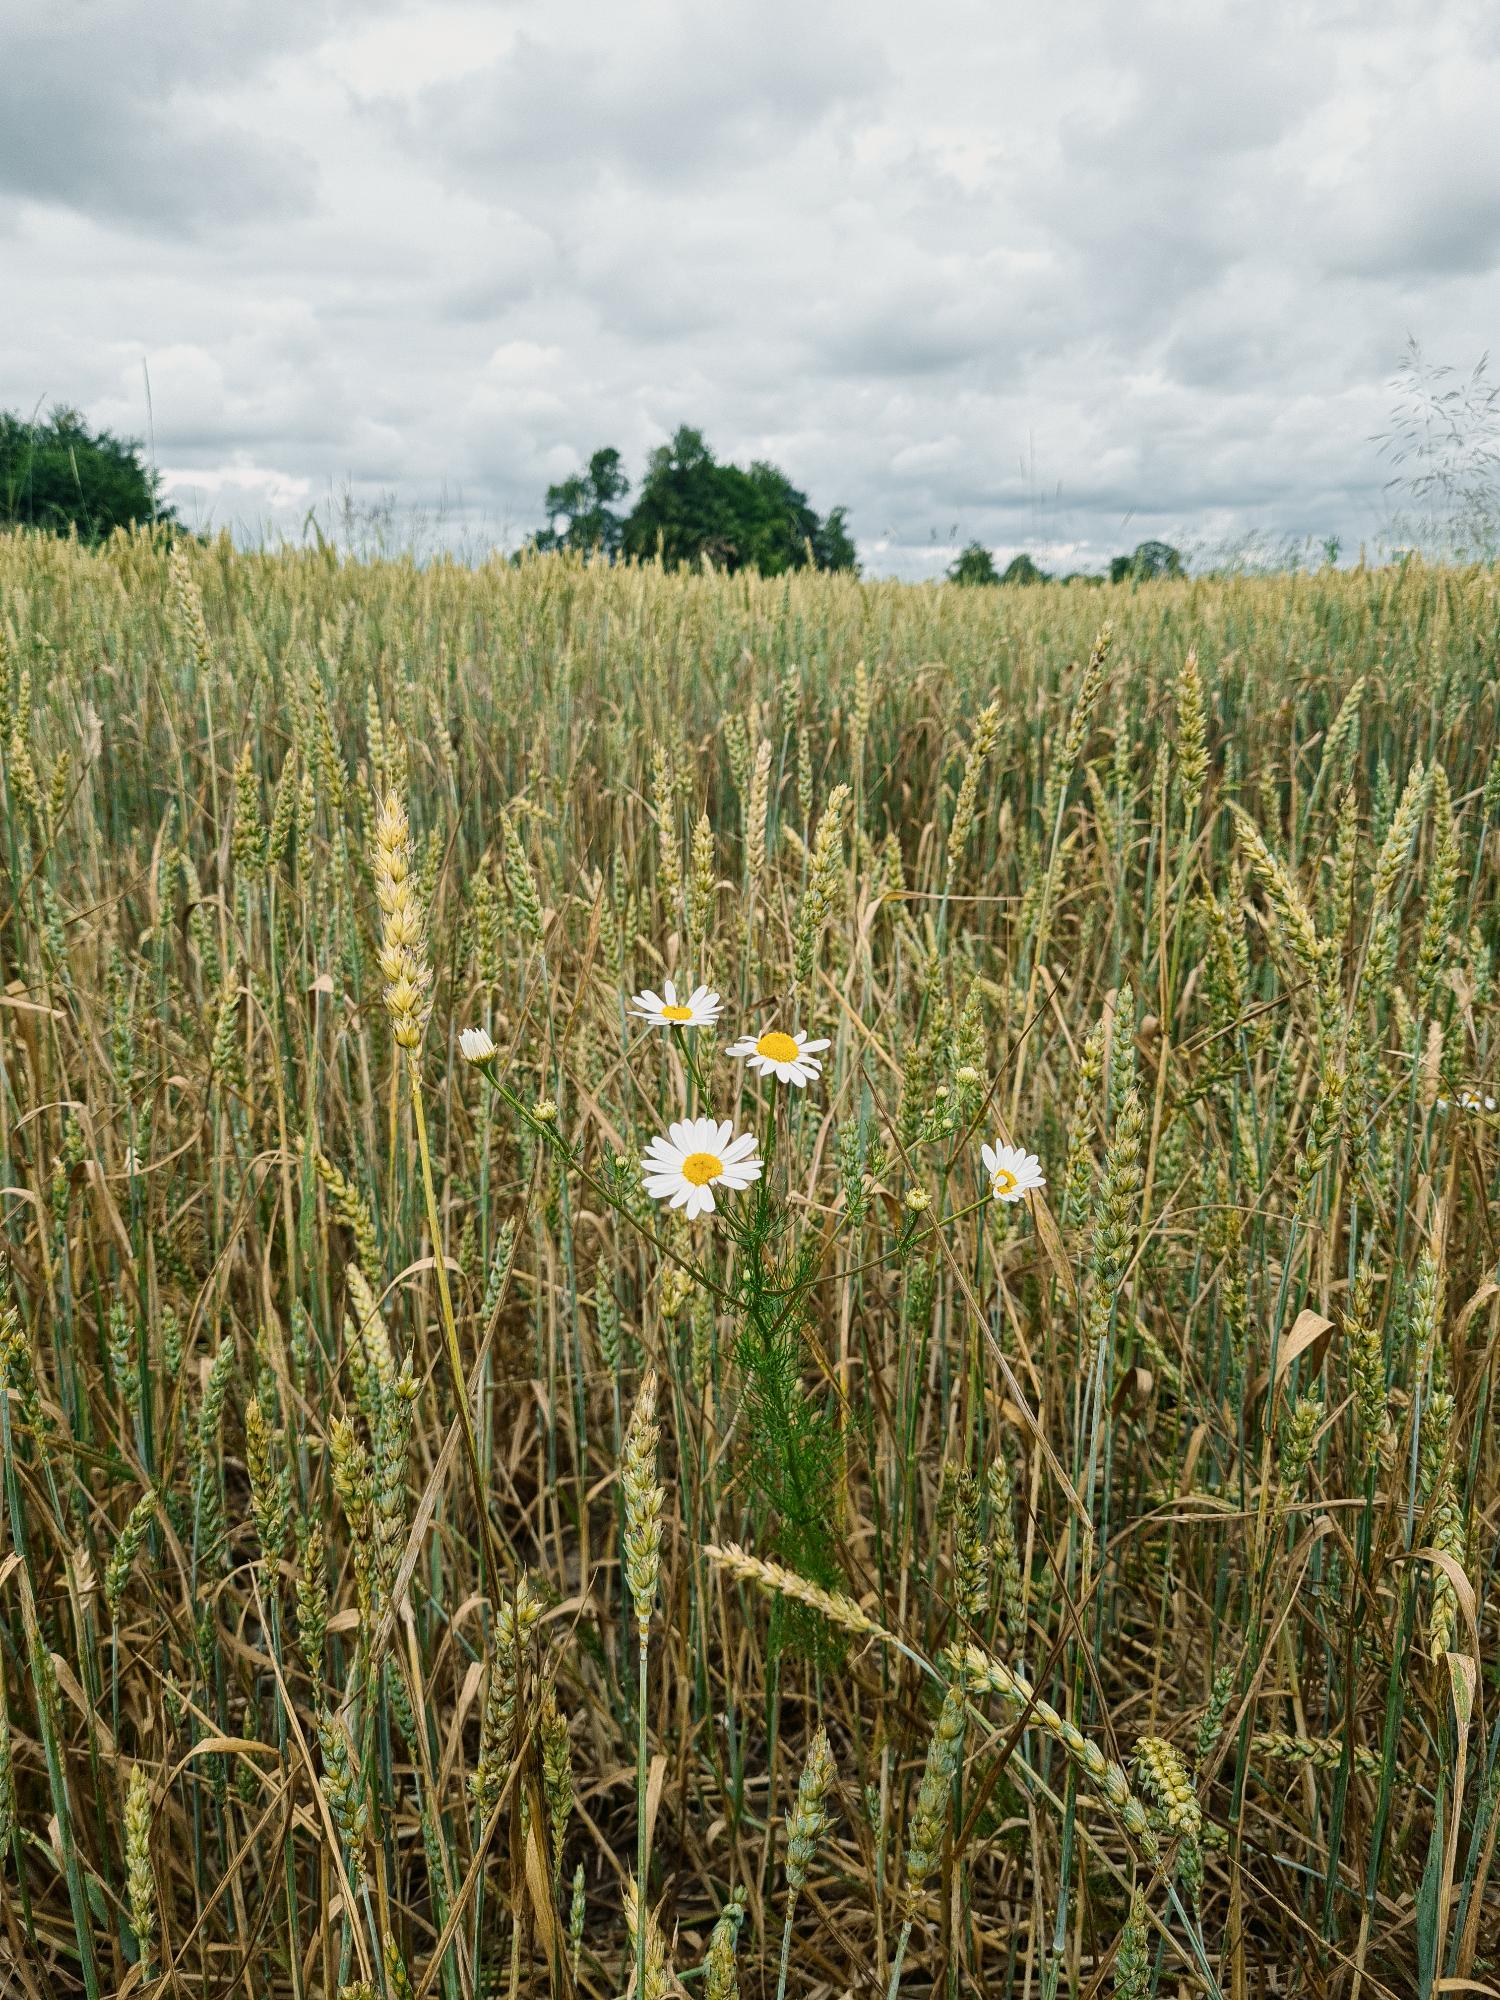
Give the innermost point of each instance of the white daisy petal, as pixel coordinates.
(665, 1010)
(1011, 1172)
(701, 1154)
(785, 1056)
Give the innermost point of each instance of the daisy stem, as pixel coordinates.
(699, 1091)
(907, 1242)
(541, 1129)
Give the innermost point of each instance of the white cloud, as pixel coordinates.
(1053, 279)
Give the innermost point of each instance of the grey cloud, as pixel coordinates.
(702, 93)
(122, 163)
(900, 344)
(1418, 208)
(501, 278)
(102, 110)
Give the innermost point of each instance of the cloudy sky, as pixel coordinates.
(1055, 278)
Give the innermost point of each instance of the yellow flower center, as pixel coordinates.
(1005, 1182)
(776, 1047)
(677, 1013)
(701, 1168)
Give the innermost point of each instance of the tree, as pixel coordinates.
(1148, 561)
(1021, 569)
(776, 526)
(833, 546)
(60, 475)
(974, 565)
(690, 507)
(680, 510)
(586, 502)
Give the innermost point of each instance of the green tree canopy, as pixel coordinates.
(973, 565)
(833, 545)
(690, 506)
(62, 476)
(1022, 569)
(585, 503)
(1147, 561)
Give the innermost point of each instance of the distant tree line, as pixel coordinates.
(1148, 560)
(690, 507)
(61, 475)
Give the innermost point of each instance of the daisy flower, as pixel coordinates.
(475, 1045)
(789, 1058)
(697, 1156)
(1012, 1173)
(1469, 1100)
(664, 1010)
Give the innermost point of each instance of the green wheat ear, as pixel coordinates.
(644, 1497)
(806, 1824)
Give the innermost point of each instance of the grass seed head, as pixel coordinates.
(721, 1980)
(1133, 1959)
(808, 1818)
(929, 1819)
(658, 1982)
(1164, 1777)
(777, 1581)
(644, 1497)
(140, 1881)
(403, 942)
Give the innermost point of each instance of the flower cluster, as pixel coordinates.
(697, 1155)
(1468, 1100)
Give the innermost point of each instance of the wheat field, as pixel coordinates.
(433, 1564)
